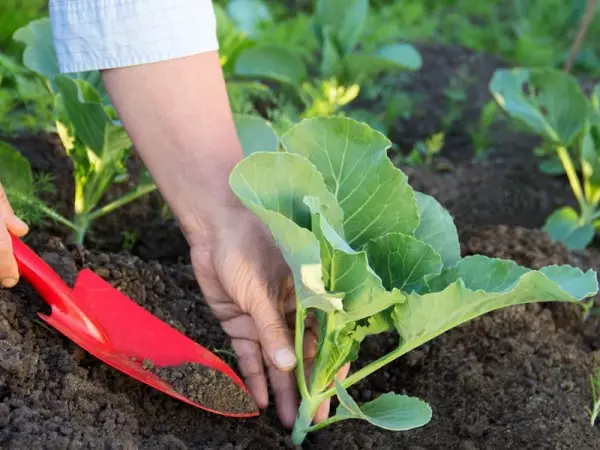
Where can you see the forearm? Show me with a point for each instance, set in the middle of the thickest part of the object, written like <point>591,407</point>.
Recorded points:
<point>177,114</point>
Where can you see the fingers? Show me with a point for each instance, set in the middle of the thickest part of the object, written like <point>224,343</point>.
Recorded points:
<point>15,225</point>
<point>9,273</point>
<point>274,335</point>
<point>286,395</point>
<point>250,361</point>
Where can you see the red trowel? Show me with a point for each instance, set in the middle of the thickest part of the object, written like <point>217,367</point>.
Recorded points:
<point>115,329</point>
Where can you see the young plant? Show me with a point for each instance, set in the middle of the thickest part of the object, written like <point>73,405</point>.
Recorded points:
<point>370,255</point>
<point>595,387</point>
<point>423,152</point>
<point>98,147</point>
<point>551,104</point>
<point>480,134</point>
<point>336,26</point>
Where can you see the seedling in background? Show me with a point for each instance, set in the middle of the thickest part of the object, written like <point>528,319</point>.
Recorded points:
<point>456,97</point>
<point>595,387</point>
<point>337,26</point>
<point>550,103</point>
<point>423,152</point>
<point>480,135</point>
<point>370,255</point>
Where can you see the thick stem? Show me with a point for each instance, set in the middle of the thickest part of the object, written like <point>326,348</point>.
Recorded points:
<point>306,413</point>
<point>122,201</point>
<point>81,227</point>
<point>565,159</point>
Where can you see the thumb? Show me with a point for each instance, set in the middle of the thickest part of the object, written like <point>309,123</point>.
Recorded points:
<point>274,335</point>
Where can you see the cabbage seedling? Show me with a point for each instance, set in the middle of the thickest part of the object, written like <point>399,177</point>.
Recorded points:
<point>370,255</point>
<point>551,104</point>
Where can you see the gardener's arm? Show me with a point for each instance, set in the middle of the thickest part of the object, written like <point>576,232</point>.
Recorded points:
<point>159,62</point>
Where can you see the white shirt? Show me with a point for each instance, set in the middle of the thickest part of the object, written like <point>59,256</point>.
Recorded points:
<point>103,34</point>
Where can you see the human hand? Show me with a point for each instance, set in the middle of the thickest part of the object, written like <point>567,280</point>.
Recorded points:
<point>9,222</point>
<point>249,288</point>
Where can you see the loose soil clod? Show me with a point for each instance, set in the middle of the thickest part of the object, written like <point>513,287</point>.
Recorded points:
<point>208,387</point>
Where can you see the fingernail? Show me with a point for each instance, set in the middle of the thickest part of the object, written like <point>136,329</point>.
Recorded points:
<point>20,223</point>
<point>285,358</point>
<point>9,282</point>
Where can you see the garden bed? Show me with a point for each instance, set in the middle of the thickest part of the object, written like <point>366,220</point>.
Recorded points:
<point>516,378</point>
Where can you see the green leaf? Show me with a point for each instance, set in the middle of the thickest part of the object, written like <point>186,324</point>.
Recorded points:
<point>273,186</point>
<point>392,58</point>
<point>437,229</point>
<point>255,134</point>
<point>352,157</point>
<point>19,184</point>
<point>331,56</point>
<point>347,271</point>
<point>40,55</point>
<point>402,261</point>
<point>550,102</point>
<point>15,172</point>
<point>564,225</point>
<point>279,182</point>
<point>478,285</point>
<point>270,61</point>
<point>248,14</point>
<point>404,56</point>
<point>388,411</point>
<point>92,124</point>
<point>345,19</point>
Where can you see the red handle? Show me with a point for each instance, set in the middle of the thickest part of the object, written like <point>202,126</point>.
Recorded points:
<point>44,279</point>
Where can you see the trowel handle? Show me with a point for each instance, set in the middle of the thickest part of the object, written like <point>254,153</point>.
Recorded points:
<point>43,278</point>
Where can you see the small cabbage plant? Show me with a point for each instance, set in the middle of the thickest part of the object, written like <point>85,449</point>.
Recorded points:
<point>370,255</point>
<point>551,104</point>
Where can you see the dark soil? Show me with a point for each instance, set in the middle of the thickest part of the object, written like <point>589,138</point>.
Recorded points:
<point>209,387</point>
<point>514,379</point>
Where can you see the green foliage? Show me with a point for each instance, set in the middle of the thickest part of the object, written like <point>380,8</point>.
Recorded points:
<point>550,103</point>
<point>423,152</point>
<point>13,15</point>
<point>25,103</point>
<point>255,134</point>
<point>480,133</point>
<point>23,189</point>
<point>369,255</point>
<point>286,54</point>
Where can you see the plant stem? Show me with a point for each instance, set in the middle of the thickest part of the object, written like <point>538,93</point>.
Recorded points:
<point>304,418</point>
<point>122,201</point>
<point>299,346</point>
<point>565,159</point>
<point>46,210</point>
<point>373,367</point>
<point>82,223</point>
<point>325,423</point>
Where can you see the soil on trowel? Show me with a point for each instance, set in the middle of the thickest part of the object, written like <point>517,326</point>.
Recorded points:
<point>513,379</point>
<point>206,386</point>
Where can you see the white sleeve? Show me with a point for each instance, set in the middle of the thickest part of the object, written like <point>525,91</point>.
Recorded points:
<point>103,34</point>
